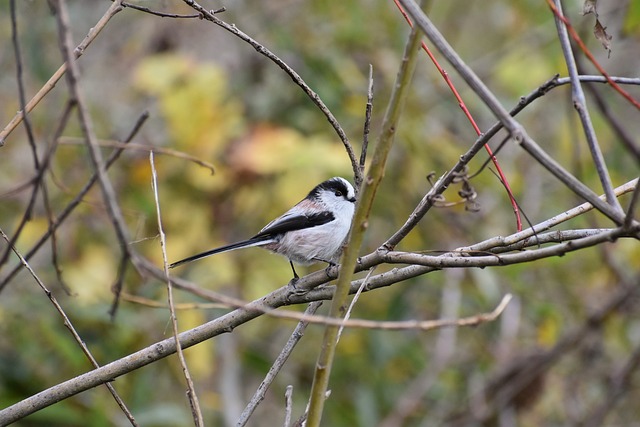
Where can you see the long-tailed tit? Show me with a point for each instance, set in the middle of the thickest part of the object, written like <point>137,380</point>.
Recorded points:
<point>311,231</point>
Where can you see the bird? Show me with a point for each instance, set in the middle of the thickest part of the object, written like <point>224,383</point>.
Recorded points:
<point>313,230</point>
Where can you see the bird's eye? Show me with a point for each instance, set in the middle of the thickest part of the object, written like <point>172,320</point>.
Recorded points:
<point>338,193</point>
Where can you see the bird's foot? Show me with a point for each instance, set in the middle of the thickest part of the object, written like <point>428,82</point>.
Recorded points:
<point>332,270</point>
<point>294,289</point>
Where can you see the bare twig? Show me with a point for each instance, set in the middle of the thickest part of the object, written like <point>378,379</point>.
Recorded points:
<point>501,393</point>
<point>356,296</point>
<point>467,113</point>
<point>633,205</point>
<point>580,104</point>
<point>30,137</point>
<point>72,329</point>
<point>443,183</point>
<point>288,405</point>
<point>294,76</point>
<point>367,127</point>
<point>295,337</point>
<point>589,55</point>
<point>462,259</point>
<point>161,14</point>
<point>322,293</point>
<point>86,125</point>
<point>191,392</point>
<point>146,302</point>
<point>617,126</point>
<point>142,147</point>
<point>50,84</point>
<point>62,123</point>
<point>359,225</point>
<point>75,202</point>
<point>194,336</point>
<point>19,79</point>
<point>500,241</point>
<point>618,385</point>
<point>516,130</point>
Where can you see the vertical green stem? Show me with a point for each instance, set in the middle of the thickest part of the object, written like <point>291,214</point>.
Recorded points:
<point>360,223</point>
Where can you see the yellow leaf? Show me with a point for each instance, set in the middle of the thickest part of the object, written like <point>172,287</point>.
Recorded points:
<point>194,102</point>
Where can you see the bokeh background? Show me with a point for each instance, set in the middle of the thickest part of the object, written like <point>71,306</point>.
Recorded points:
<point>213,97</point>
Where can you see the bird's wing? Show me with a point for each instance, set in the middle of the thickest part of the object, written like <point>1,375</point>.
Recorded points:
<point>292,221</point>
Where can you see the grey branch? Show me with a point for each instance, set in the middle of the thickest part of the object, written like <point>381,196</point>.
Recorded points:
<point>516,130</point>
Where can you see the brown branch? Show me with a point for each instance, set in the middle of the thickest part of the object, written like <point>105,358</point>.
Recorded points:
<point>262,50</point>
<point>293,340</point>
<point>75,202</point>
<point>68,140</point>
<point>163,14</point>
<point>516,130</point>
<point>619,384</point>
<point>226,323</point>
<point>191,391</point>
<point>86,125</point>
<point>580,105</point>
<point>69,325</point>
<point>366,128</point>
<point>50,84</point>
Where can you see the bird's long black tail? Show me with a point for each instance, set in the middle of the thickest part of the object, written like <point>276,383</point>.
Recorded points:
<point>254,241</point>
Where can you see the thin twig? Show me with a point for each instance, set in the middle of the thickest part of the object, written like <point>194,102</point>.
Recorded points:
<point>222,324</point>
<point>86,124</point>
<point>142,147</point>
<point>26,217</point>
<point>516,130</point>
<point>262,50</point>
<point>194,336</point>
<point>50,84</point>
<point>286,351</point>
<point>500,241</point>
<point>617,386</point>
<point>615,123</point>
<point>75,202</point>
<point>161,14</point>
<point>53,145</point>
<point>589,55</point>
<point>356,296</point>
<point>467,113</point>
<point>191,392</point>
<point>633,205</point>
<point>69,325</point>
<point>288,405</point>
<point>19,78</point>
<point>462,259</point>
<point>367,127</point>
<point>442,184</point>
<point>580,104</point>
<point>360,221</point>
<point>146,302</point>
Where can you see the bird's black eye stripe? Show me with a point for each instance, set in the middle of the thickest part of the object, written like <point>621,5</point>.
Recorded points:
<point>335,186</point>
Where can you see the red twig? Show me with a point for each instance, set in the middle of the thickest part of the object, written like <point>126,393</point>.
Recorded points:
<point>466,112</point>
<point>587,52</point>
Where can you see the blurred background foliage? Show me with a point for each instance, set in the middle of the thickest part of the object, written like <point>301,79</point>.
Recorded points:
<point>213,97</point>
